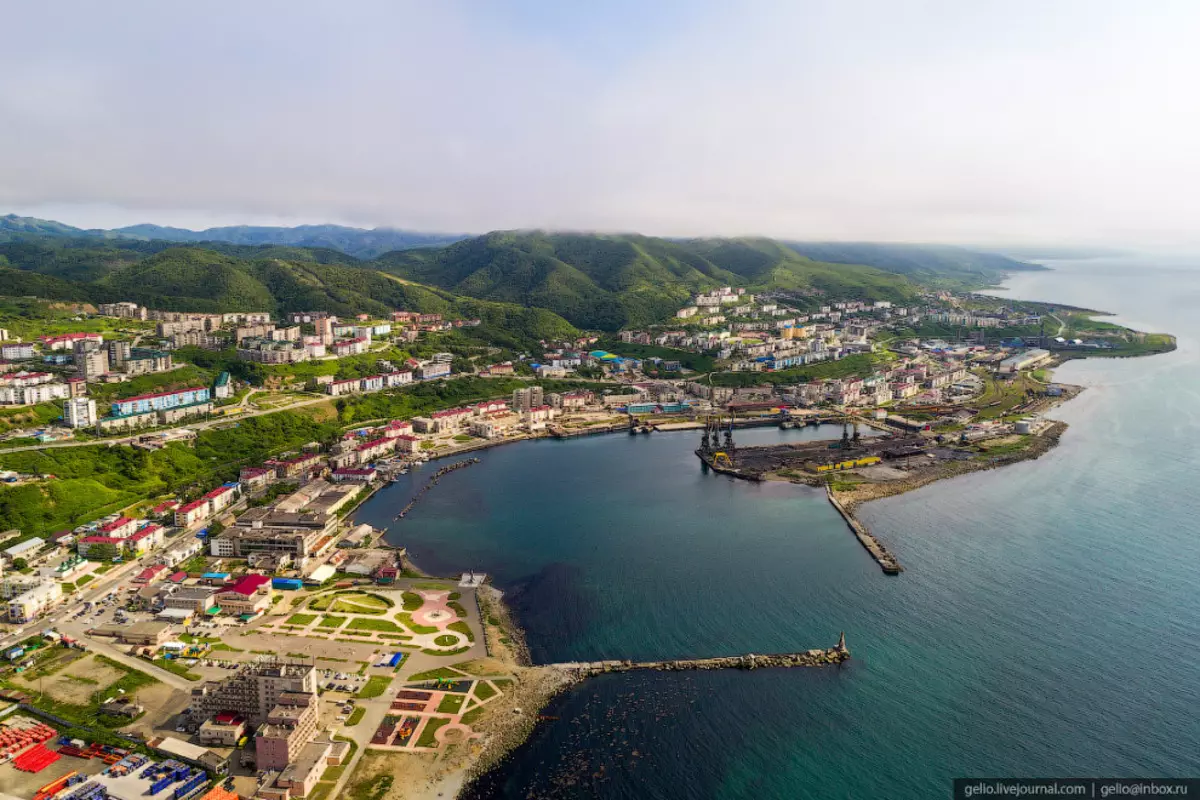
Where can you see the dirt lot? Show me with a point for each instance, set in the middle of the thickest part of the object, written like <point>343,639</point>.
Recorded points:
<point>163,705</point>
<point>77,682</point>
<point>401,776</point>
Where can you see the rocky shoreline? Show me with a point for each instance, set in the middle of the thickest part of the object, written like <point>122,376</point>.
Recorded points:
<point>866,492</point>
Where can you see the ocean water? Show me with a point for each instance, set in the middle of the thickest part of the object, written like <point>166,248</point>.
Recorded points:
<point>1048,623</point>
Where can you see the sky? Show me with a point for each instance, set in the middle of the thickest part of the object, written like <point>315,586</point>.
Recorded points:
<point>1065,122</point>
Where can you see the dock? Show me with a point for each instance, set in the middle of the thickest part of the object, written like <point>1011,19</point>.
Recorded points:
<point>806,658</point>
<point>886,561</point>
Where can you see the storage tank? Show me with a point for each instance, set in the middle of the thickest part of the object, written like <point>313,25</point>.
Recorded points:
<point>1024,426</point>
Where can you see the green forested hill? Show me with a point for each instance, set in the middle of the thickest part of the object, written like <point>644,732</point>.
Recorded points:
<point>191,278</point>
<point>593,281</point>
<point>929,264</point>
<point>223,277</point>
<point>607,282</point>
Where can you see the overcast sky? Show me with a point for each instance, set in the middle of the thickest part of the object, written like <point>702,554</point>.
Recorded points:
<point>976,121</point>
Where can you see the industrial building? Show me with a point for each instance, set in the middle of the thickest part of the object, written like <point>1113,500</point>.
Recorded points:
<point>1024,360</point>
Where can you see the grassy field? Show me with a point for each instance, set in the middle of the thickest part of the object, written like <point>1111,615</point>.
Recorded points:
<point>360,624</point>
<point>112,678</point>
<point>428,738</point>
<point>375,686</point>
<point>34,416</point>
<point>1000,397</point>
<point>356,716</point>
<point>434,674</point>
<point>301,619</point>
<point>484,691</point>
<point>331,621</point>
<point>451,703</point>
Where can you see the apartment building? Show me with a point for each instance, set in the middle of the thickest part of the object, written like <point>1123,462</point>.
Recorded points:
<point>254,690</point>
<point>28,597</point>
<point>290,725</point>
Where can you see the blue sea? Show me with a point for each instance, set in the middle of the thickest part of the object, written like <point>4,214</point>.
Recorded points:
<point>1048,623</point>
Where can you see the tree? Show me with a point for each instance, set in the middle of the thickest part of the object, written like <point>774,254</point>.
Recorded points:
<point>20,564</point>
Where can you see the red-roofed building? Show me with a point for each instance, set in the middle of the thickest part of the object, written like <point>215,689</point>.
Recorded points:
<point>407,443</point>
<point>191,513</point>
<point>148,574</point>
<point>221,497</point>
<point>145,539</point>
<point>163,509</point>
<point>294,467</point>
<point>253,478</point>
<point>349,386</point>
<point>398,378</point>
<point>249,596</point>
<point>350,347</point>
<point>490,407</point>
<point>539,414</point>
<point>355,475</point>
<point>452,419</point>
<point>177,577</point>
<point>503,368</point>
<point>119,528</point>
<point>397,427</point>
<point>66,341</point>
<point>369,451</point>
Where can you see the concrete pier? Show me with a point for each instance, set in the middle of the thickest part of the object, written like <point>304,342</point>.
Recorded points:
<point>886,561</point>
<point>806,658</point>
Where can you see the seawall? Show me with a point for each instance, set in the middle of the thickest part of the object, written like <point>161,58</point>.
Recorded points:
<point>886,561</point>
<point>805,658</point>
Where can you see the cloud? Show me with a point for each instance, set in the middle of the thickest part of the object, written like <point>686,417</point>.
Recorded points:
<point>986,121</point>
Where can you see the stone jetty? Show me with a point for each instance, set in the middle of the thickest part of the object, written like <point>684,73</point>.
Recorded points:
<point>805,658</point>
<point>883,557</point>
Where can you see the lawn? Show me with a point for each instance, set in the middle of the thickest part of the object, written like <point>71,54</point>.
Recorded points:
<point>331,621</point>
<point>434,674</point>
<point>428,739</point>
<point>415,627</point>
<point>375,686</point>
<point>483,691</point>
<point>446,640</point>
<point>410,601</point>
<point>179,668</point>
<point>463,628</point>
<point>356,716</point>
<point>360,624</point>
<point>451,703</point>
<point>301,619</point>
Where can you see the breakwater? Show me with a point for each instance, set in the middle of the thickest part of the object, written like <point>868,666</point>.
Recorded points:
<point>886,561</point>
<point>433,481</point>
<point>805,658</point>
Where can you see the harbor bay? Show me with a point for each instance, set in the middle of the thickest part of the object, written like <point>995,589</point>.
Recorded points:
<point>1046,623</point>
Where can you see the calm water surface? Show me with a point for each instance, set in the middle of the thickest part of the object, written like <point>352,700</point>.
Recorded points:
<point>1048,622</point>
